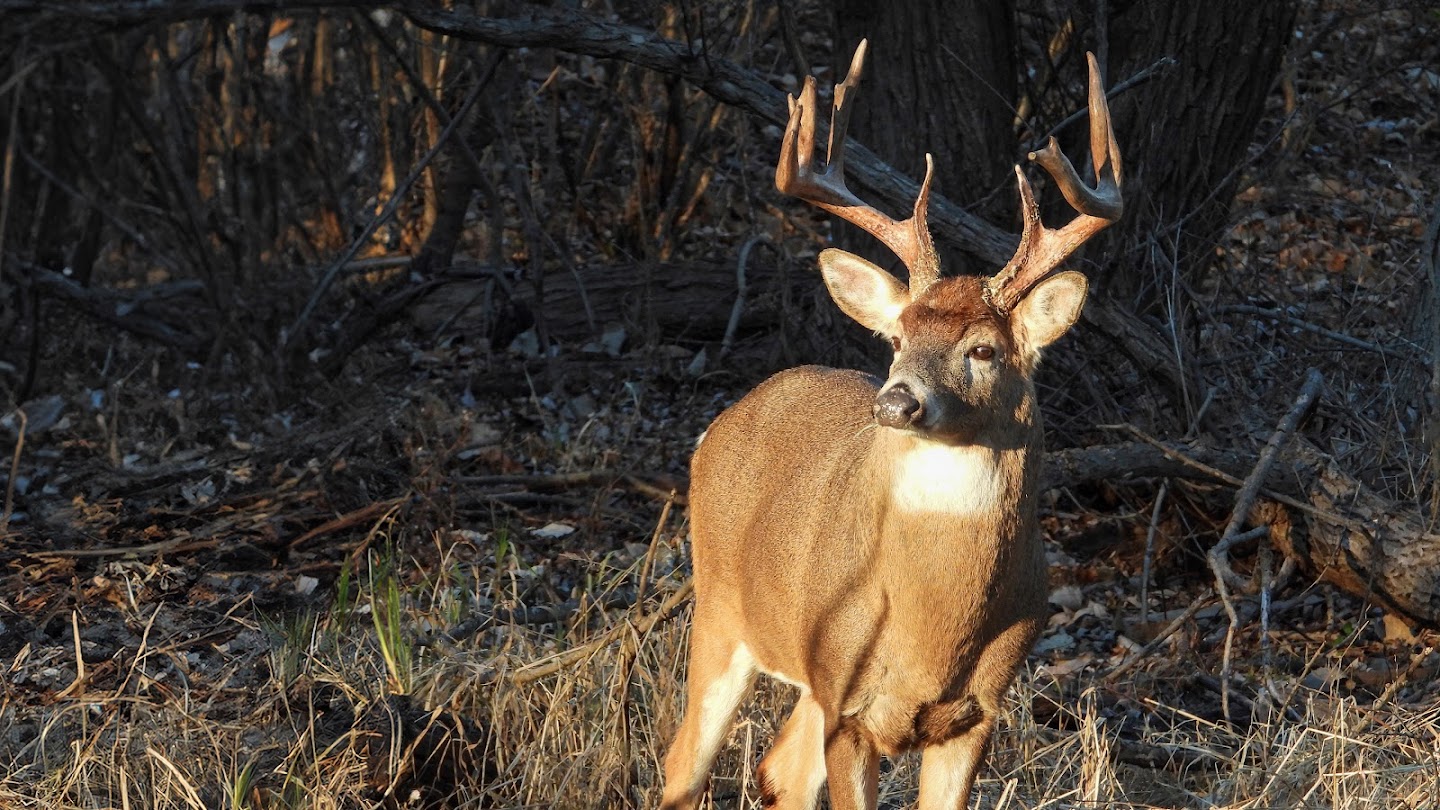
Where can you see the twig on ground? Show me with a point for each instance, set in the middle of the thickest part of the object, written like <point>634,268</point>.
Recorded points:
<point>77,686</point>
<point>675,494</point>
<point>727,342</point>
<point>347,520</point>
<point>542,480</point>
<point>141,652</point>
<point>1267,582</point>
<point>1150,533</point>
<point>173,545</point>
<point>1154,644</point>
<point>650,552</point>
<point>191,795</point>
<point>1146,564</point>
<point>1244,500</point>
<point>1371,715</point>
<point>539,499</point>
<point>662,490</point>
<point>1249,611</point>
<point>537,671</point>
<point>524,616</point>
<point>14,471</point>
<point>1221,688</point>
<point>353,560</point>
<point>1398,352</point>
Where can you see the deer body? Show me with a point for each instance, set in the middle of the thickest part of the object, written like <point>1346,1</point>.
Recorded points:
<point>874,542</point>
<point>820,585</point>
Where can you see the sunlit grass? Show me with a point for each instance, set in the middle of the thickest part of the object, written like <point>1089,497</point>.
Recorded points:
<point>386,710</point>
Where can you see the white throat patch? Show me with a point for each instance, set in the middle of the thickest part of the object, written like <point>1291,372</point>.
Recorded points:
<point>937,478</point>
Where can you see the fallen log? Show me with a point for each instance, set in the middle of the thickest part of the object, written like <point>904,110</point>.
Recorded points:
<point>1351,536</point>
<point>662,300</point>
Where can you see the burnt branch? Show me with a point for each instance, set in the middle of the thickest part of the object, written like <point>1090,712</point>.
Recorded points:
<point>153,313</point>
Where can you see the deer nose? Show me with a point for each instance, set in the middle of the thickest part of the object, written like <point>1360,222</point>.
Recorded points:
<point>897,407</point>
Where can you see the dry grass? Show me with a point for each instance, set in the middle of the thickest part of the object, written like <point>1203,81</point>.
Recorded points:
<point>342,718</point>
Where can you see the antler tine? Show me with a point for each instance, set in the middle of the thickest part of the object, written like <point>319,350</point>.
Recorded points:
<point>795,175</point>
<point>1104,200</point>
<point>1102,132</point>
<point>1042,249</point>
<point>924,264</point>
<point>840,117</point>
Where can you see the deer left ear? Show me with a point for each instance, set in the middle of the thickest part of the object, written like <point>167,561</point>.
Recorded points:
<point>1050,309</point>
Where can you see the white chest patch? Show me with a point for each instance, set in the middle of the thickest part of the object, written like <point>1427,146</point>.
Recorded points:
<point>948,480</point>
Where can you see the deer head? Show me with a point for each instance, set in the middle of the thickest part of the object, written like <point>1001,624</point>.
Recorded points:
<point>953,338</point>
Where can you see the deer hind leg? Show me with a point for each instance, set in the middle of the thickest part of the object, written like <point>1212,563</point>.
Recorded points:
<point>793,772</point>
<point>721,672</point>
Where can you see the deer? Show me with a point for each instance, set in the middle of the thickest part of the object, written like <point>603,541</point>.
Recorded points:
<point>875,542</point>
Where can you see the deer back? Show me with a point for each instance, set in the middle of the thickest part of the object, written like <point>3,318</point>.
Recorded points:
<point>805,512</point>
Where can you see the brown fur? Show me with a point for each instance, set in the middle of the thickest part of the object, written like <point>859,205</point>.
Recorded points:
<point>904,626</point>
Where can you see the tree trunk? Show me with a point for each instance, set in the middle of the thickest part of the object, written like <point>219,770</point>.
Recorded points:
<point>1184,133</point>
<point>939,78</point>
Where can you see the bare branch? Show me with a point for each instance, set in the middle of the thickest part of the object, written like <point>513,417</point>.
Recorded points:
<point>576,32</point>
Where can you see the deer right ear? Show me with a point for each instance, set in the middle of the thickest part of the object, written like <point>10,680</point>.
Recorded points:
<point>871,296</point>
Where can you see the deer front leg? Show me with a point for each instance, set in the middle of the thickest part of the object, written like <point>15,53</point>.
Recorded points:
<point>721,672</point>
<point>794,769</point>
<point>948,770</point>
<point>853,768</point>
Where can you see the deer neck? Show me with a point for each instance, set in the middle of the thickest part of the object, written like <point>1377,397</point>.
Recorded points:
<point>931,479</point>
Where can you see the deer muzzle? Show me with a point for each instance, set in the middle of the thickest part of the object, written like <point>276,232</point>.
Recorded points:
<point>897,407</point>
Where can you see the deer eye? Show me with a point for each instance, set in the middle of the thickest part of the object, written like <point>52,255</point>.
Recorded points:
<point>982,353</point>
<point>895,342</point>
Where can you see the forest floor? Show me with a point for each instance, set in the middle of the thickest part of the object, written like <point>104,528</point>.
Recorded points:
<point>432,582</point>
<point>422,595</point>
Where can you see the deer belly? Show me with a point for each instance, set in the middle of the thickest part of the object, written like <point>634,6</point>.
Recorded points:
<point>895,724</point>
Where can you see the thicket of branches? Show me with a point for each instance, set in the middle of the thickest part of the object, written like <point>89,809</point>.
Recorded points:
<point>263,188</point>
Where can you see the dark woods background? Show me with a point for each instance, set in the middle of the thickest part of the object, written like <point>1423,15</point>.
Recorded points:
<point>235,199</point>
<point>254,207</point>
<point>205,179</point>
<point>416,308</point>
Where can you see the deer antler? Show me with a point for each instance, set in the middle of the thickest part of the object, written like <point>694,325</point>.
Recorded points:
<point>1042,249</point>
<point>796,175</point>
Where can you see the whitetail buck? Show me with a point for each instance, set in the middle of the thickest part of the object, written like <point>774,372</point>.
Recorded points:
<point>875,542</point>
